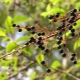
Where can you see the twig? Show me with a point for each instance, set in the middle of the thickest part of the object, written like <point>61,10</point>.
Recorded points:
<point>21,70</point>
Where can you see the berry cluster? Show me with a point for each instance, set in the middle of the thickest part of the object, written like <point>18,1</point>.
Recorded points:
<point>43,34</point>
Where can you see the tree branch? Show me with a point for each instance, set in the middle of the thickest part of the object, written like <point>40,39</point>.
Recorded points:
<point>21,70</point>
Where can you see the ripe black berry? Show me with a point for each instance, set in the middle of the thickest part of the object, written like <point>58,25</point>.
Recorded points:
<point>46,50</point>
<point>73,34</point>
<point>32,27</point>
<point>48,70</point>
<point>57,14</point>
<point>27,43</point>
<point>74,62</point>
<point>42,62</point>
<point>72,30</point>
<point>74,10</point>
<point>40,38</point>
<point>33,32</point>
<point>50,16</point>
<point>59,47</point>
<point>42,33</point>
<point>58,41</point>
<point>63,55</point>
<point>42,47</point>
<point>72,58</point>
<point>19,30</point>
<point>73,54</point>
<point>70,27</point>
<point>14,25</point>
<point>60,51</point>
<point>39,34</point>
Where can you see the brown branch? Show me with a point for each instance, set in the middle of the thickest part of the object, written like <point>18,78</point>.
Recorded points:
<point>21,70</point>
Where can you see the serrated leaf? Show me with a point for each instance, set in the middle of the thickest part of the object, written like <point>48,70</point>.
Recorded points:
<point>55,64</point>
<point>2,32</point>
<point>40,58</point>
<point>8,25</point>
<point>10,46</point>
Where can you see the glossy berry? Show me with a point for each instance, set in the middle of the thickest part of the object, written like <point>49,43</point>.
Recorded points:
<point>14,25</point>
<point>59,33</point>
<point>58,28</point>
<point>59,47</point>
<point>48,70</point>
<point>42,47</point>
<point>60,38</point>
<point>74,62</point>
<point>19,30</point>
<point>60,51</point>
<point>42,33</point>
<point>40,38</point>
<point>63,55</point>
<point>72,30</point>
<point>46,50</point>
<point>74,10</point>
<point>73,34</point>
<point>58,41</point>
<point>57,14</point>
<point>33,32</point>
<point>32,27</point>
<point>27,43</point>
<point>39,34</point>
<point>72,58</point>
<point>50,16</point>
<point>42,62</point>
<point>70,27</point>
<point>73,54</point>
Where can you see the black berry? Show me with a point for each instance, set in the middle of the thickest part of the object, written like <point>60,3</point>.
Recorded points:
<point>14,25</point>
<point>60,51</point>
<point>19,30</point>
<point>42,62</point>
<point>63,55</point>
<point>48,70</point>
<point>74,62</point>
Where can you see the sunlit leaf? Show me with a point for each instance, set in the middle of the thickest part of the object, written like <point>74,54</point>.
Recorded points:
<point>40,58</point>
<point>2,32</point>
<point>8,25</point>
<point>55,64</point>
<point>10,46</point>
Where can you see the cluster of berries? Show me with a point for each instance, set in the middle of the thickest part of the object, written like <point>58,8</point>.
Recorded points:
<point>66,24</point>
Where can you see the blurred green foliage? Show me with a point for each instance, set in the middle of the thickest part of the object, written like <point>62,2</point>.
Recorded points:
<point>27,12</point>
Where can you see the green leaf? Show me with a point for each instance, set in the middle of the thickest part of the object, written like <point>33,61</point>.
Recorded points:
<point>8,25</point>
<point>23,38</point>
<point>20,18</point>
<point>33,75</point>
<point>11,45</point>
<point>2,32</point>
<point>77,44</point>
<point>55,64</point>
<point>40,58</point>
